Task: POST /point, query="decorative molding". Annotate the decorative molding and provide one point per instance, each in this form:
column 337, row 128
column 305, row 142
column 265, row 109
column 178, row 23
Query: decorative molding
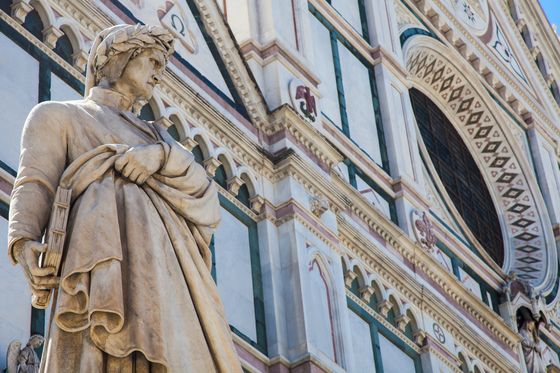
column 237, row 68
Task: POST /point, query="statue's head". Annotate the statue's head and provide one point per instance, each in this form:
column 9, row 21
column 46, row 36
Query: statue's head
column 129, row 59
column 35, row 341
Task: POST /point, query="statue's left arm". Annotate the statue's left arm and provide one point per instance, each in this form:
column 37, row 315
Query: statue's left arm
column 42, row 161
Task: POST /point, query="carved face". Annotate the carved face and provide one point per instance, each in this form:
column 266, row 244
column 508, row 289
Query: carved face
column 142, row 74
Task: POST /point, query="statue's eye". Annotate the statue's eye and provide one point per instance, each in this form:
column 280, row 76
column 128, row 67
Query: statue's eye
column 156, row 63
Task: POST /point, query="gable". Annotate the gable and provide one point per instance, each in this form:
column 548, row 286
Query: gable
column 196, row 59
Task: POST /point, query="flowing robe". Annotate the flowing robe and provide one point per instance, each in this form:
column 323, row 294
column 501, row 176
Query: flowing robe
column 136, row 294
column 533, row 350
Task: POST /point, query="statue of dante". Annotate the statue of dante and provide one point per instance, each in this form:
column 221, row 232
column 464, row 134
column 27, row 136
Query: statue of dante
column 135, row 293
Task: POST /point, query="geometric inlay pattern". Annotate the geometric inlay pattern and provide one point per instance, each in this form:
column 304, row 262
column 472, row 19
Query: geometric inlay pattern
column 525, row 242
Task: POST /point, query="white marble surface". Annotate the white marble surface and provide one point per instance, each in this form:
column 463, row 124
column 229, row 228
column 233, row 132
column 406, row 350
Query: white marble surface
column 233, row 273
column 60, row 91
column 19, row 78
column 324, row 68
column 361, row 342
column 394, row 359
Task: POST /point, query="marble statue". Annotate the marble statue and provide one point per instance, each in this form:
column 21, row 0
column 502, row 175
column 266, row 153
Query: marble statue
column 533, row 347
column 24, row 360
column 134, row 291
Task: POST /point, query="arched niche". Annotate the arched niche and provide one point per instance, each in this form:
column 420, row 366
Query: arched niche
column 529, row 247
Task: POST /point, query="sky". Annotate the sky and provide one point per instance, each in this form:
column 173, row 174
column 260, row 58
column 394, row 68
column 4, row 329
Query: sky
column 552, row 10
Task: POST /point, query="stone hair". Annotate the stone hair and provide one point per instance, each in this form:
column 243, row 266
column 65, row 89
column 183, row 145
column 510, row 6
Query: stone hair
column 115, row 50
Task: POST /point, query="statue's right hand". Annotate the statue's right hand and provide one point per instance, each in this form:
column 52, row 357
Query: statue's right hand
column 27, row 254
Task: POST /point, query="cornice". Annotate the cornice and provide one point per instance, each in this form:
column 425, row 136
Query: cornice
column 237, row 68
column 383, row 321
column 40, row 45
column 222, row 129
column 89, row 16
column 378, row 261
column 315, row 182
column 275, row 50
column 285, row 117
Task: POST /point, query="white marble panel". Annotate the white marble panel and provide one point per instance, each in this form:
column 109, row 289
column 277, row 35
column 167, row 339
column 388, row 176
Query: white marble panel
column 320, row 321
column 233, row 273
column 470, row 283
column 361, row 342
column 350, row 11
column 372, row 196
column 60, row 91
column 19, row 75
column 359, row 103
column 324, row 68
column 190, row 43
column 15, row 303
column 394, row 359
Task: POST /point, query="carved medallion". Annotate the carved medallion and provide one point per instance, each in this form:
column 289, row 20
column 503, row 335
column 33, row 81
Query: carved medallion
column 473, row 13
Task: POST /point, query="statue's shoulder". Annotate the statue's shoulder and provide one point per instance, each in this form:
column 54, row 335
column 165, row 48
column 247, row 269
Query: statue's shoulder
column 55, row 110
column 53, row 115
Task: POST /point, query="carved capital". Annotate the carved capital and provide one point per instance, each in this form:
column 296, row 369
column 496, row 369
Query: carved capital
column 535, row 51
column 20, row 8
column 80, row 60
column 520, row 23
column 233, row 184
column 51, row 35
column 419, row 337
column 383, row 307
column 402, row 322
column 366, row 292
column 349, row 277
column 189, row 143
column 257, row 203
column 211, row 164
column 549, row 79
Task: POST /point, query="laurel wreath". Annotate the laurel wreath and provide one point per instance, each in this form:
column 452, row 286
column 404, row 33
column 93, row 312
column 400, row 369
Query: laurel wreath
column 134, row 39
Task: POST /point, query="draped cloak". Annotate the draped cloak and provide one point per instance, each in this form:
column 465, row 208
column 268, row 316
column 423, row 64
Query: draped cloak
column 136, row 293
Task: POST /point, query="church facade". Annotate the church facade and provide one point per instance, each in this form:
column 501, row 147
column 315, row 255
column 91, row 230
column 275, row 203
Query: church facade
column 388, row 170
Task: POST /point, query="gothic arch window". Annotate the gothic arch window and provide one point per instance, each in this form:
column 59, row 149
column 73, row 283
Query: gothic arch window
column 526, row 35
column 555, row 92
column 541, row 64
column 459, row 174
column 34, row 24
column 64, row 48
